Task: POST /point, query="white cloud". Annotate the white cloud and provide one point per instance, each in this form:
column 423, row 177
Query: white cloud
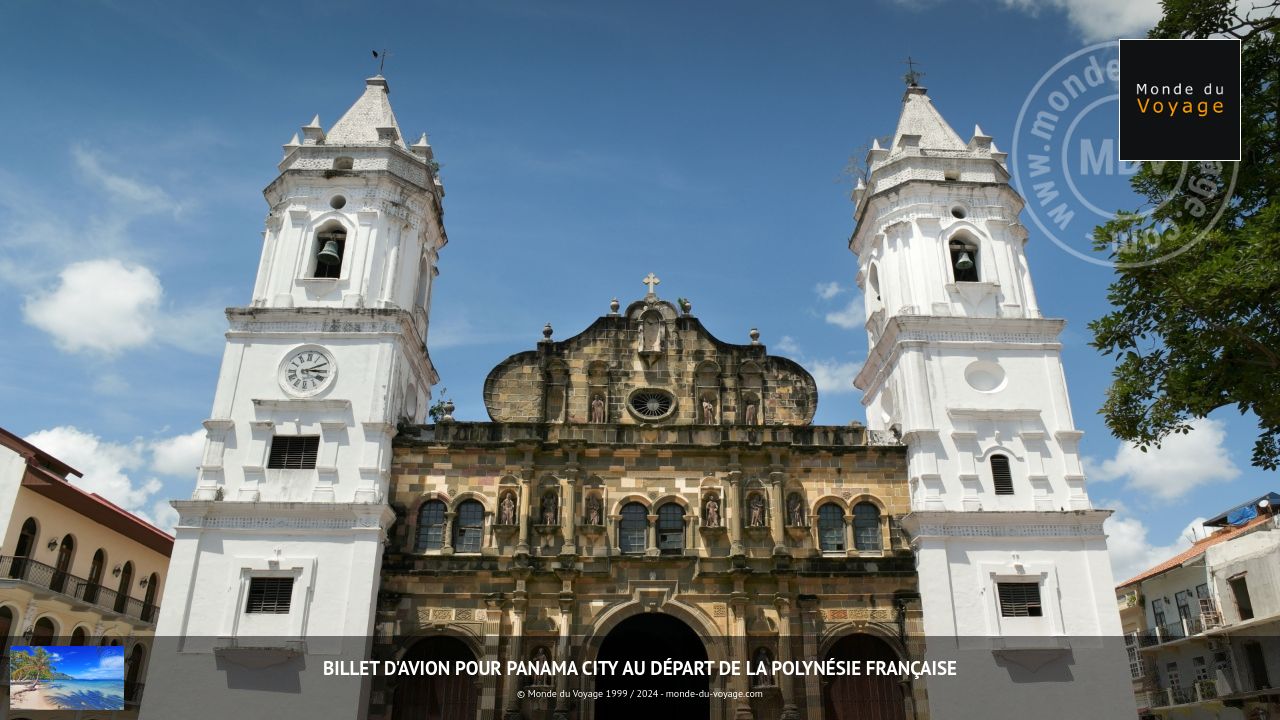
column 1098, row 20
column 101, row 305
column 1132, row 552
column 178, row 455
column 119, row 471
column 833, row 377
column 110, row 667
column 828, row 290
column 1180, row 464
column 850, row 317
column 787, row 345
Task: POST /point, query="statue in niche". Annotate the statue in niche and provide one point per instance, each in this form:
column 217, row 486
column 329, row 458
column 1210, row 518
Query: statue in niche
column 711, row 512
column 750, row 412
column 708, row 412
column 597, row 409
column 549, row 514
column 594, row 510
column 655, row 332
column 795, row 508
column 762, row 663
column 507, row 510
column 756, row 518
column 541, row 663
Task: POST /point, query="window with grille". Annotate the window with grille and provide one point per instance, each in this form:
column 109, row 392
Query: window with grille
column 468, row 527
column 1001, row 477
column 831, row 528
column 633, row 528
column 269, row 595
column 866, row 526
column 294, row 452
column 430, row 526
column 1019, row 599
column 671, row 529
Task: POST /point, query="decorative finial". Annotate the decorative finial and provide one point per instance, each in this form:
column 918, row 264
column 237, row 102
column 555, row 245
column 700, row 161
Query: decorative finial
column 315, row 122
column 913, row 75
column 546, row 332
column 613, row 306
column 651, row 280
column 755, row 336
column 686, row 307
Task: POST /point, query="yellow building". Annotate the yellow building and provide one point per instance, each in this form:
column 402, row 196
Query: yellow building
column 75, row 569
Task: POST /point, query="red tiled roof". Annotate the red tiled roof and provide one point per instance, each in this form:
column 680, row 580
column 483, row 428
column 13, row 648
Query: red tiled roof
column 1196, row 550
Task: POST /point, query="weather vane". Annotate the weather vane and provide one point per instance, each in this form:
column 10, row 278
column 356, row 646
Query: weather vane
column 913, row 75
column 381, row 57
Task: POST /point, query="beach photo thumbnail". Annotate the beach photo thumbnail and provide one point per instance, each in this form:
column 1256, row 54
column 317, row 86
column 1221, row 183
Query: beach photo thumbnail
column 66, row 678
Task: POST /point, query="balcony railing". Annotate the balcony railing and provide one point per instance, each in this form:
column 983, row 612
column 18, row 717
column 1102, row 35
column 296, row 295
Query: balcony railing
column 1181, row 628
column 77, row 588
column 1200, row 691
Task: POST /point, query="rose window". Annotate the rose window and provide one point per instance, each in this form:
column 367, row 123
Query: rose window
column 651, row 404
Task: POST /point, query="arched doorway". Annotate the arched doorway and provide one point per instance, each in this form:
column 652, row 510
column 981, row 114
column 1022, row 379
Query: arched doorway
column 22, row 551
column 6, row 627
column 149, row 602
column 42, row 632
column 443, row 697
column 95, row 576
column 645, row 637
column 122, row 594
column 62, row 566
column 133, row 672
column 863, row 697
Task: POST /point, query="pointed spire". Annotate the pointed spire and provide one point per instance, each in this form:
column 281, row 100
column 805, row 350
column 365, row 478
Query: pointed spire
column 370, row 120
column 977, row 131
column 875, row 144
column 312, row 133
column 920, row 124
column 315, row 122
column 422, row 148
column 292, row 145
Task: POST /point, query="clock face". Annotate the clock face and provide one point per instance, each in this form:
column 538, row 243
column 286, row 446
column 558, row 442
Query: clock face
column 307, row 371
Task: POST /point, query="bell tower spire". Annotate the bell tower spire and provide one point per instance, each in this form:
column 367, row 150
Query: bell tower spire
column 328, row 358
column 965, row 371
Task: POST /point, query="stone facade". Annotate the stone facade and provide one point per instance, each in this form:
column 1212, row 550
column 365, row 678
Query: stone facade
column 741, row 553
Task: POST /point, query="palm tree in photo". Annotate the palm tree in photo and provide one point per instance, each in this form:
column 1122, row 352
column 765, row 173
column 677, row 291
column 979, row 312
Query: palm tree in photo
column 34, row 665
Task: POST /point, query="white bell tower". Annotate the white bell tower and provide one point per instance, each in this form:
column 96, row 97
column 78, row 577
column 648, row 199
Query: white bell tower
column 277, row 559
column 965, row 370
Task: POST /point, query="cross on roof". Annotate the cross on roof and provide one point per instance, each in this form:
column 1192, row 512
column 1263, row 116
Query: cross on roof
column 913, row 76
column 651, row 280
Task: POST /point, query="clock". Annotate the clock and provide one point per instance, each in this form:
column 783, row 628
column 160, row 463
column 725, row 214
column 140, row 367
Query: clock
column 307, row 371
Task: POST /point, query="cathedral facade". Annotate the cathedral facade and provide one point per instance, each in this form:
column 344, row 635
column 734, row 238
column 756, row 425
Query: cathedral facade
column 642, row 490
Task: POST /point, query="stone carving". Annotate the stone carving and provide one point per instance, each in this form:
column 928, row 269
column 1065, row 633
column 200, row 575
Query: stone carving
column 541, row 661
column 594, row 510
column 756, row 516
column 761, row 663
column 655, row 332
column 597, row 409
column 749, row 412
column 507, row 510
column 711, row 512
column 708, row 412
column 795, row 510
column 549, row 514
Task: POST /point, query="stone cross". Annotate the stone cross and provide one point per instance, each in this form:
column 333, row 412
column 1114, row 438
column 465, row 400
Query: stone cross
column 651, row 280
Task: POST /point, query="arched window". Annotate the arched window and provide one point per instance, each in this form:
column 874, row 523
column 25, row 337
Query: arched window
column 22, row 551
column 964, row 259
column 149, row 601
column 95, row 576
column 6, row 626
column 873, row 281
column 831, row 528
column 133, row 670
column 671, row 529
column 122, row 594
column 78, row 636
column 62, row 566
column 331, row 241
column 1001, row 477
column 633, row 529
column 866, row 526
column 468, row 527
column 430, row 526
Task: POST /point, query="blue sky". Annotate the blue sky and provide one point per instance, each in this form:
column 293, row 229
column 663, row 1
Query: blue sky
column 582, row 146
column 88, row 662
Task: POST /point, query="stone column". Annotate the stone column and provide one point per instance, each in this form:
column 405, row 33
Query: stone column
column 569, row 511
column 730, row 512
column 743, row 709
column 446, row 542
column 849, row 548
column 785, row 681
column 562, row 653
column 522, row 548
column 511, row 683
column 652, row 549
column 778, row 516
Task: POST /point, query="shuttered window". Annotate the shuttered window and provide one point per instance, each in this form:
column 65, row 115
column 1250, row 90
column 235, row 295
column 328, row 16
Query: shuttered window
column 1000, row 475
column 293, row 452
column 269, row 595
column 1019, row 599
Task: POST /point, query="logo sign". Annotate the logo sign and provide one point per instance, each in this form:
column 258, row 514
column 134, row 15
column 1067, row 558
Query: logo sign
column 1066, row 162
column 1180, row 100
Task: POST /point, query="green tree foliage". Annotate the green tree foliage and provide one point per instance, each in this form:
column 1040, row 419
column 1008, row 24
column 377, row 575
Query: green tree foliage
column 1200, row 330
column 34, row 666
